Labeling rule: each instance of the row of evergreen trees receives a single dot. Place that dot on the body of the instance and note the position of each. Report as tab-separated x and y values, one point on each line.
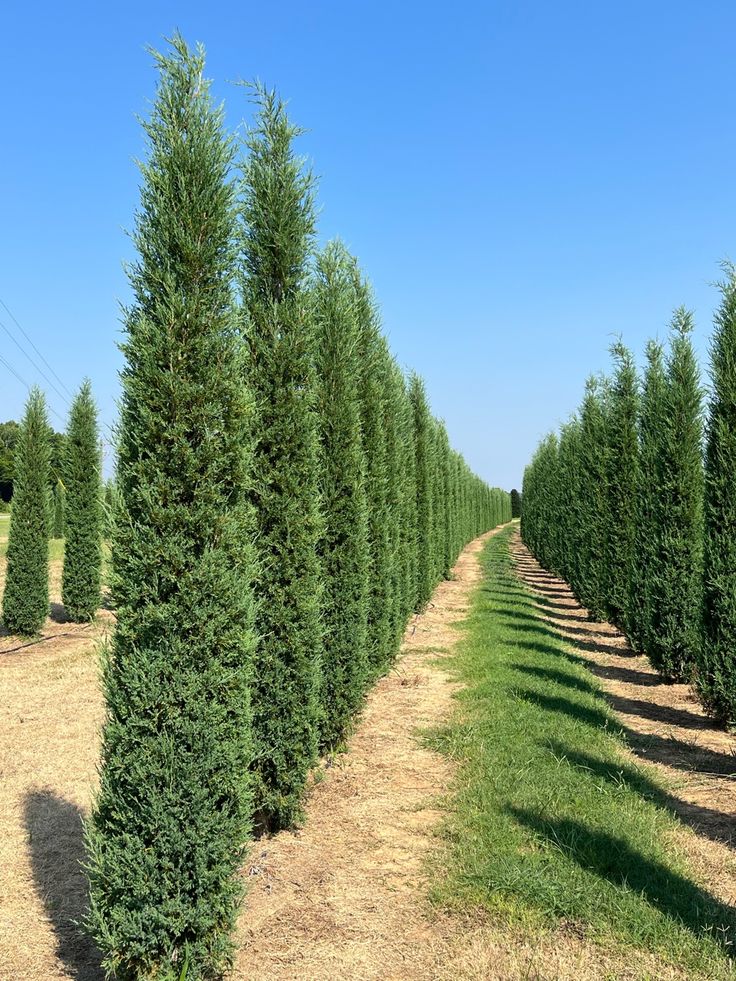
285	501
35	515
624	506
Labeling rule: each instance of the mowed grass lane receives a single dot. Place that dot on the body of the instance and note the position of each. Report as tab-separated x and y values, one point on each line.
553	823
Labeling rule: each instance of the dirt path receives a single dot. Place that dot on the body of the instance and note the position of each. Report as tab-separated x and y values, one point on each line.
665	726
344	897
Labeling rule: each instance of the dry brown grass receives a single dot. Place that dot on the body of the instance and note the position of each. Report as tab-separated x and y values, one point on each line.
343	897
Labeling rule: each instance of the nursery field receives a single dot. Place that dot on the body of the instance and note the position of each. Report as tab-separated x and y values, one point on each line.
522	797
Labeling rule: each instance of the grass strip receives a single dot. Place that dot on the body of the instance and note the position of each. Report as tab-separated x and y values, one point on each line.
550	821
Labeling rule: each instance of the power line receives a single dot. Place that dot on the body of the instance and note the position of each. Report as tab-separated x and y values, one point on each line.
48	381
40	370
15	321
22	380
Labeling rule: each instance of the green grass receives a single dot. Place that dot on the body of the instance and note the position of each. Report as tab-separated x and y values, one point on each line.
56	546
549	821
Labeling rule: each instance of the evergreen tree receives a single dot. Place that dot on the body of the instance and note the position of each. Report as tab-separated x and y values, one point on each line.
424	457
172	814
278	231
393	393
716	677
594	501
674	640
448	554
374	443
648	557
344	550
26	597
515	503
400	407
81	578
622	448
58	523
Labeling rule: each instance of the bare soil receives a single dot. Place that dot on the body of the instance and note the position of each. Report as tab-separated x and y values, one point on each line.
344	896
664	723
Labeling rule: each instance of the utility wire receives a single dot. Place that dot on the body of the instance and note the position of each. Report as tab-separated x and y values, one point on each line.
22	380
15	321
45	377
40	370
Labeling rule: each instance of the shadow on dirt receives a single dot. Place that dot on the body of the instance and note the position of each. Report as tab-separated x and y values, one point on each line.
56	844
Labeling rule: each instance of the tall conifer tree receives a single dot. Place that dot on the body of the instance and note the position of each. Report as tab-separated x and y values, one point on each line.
344	548
26	597
677	580
623	469
172	813
374	442
647	564
716	677
81	578
278	232
424	457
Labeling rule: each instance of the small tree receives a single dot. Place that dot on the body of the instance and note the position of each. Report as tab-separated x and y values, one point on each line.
173	811
81	578
59	504
26	597
515	503
716	677
344	548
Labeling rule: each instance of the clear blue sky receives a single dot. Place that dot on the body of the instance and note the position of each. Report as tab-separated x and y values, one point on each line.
521	180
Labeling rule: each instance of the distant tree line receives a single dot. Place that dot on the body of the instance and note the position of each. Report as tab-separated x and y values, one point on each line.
9	433
634	503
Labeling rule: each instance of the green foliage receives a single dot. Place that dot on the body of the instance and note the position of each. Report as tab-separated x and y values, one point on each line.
26	597
59	508
172	814
676	573
424	455
81	578
623	477
373	411
277	232
344	548
400	542
716	678
110	503
515	503
648	504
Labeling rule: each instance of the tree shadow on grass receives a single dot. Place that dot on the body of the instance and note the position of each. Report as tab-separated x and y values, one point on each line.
614	860
56	842
558	677
712	823
598	718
